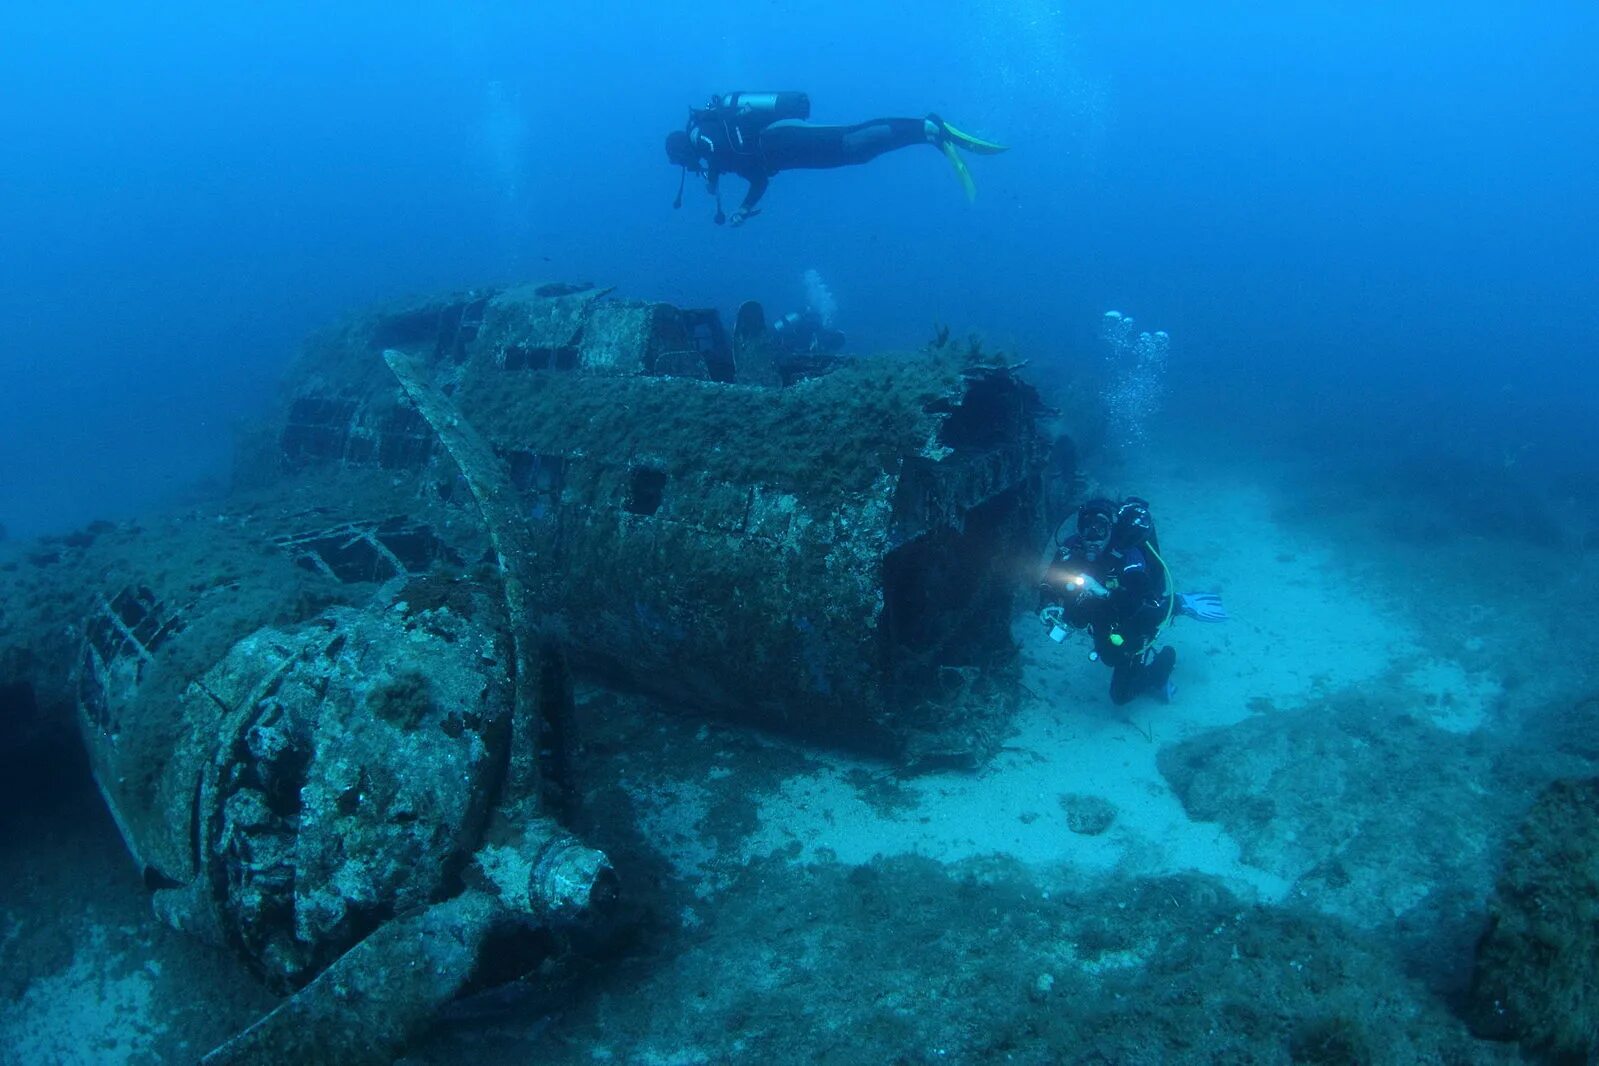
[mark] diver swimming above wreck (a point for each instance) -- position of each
(758, 135)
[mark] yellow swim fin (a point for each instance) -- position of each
(970, 143)
(961, 172)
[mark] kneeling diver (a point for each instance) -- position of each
(1110, 580)
(756, 135)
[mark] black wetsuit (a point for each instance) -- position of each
(1139, 604)
(743, 146)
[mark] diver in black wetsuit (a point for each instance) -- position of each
(1110, 580)
(756, 135)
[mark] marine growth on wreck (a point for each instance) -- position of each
(328, 712)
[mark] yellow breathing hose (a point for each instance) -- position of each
(1171, 588)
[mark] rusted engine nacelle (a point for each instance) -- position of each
(305, 722)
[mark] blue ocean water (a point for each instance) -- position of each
(1360, 244)
(1348, 207)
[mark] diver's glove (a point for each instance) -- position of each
(742, 215)
(1201, 606)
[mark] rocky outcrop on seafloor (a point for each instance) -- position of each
(1355, 801)
(1537, 974)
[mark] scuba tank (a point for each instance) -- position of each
(741, 116)
(1134, 527)
(766, 107)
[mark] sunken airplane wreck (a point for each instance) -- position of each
(328, 712)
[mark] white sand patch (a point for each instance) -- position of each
(96, 1012)
(1013, 807)
(1301, 622)
(1299, 625)
(1451, 697)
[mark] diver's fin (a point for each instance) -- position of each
(961, 172)
(970, 143)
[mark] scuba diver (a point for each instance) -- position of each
(1109, 579)
(756, 135)
(800, 344)
(807, 332)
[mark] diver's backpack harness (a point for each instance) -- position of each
(741, 117)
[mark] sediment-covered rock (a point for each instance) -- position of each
(1537, 974)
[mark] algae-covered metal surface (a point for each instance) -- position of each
(298, 705)
(851, 541)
